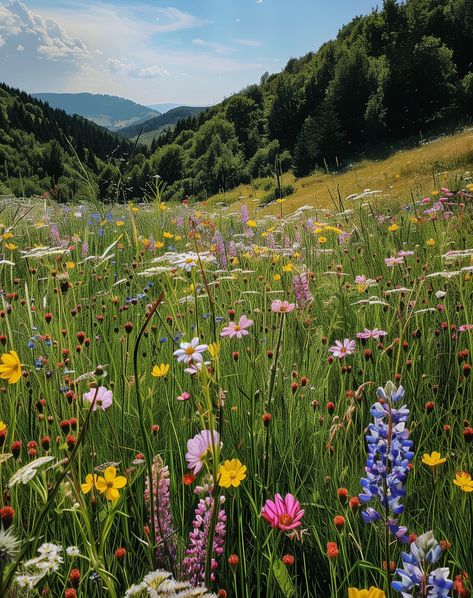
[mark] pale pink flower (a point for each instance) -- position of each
(239, 330)
(392, 261)
(199, 447)
(282, 307)
(341, 350)
(465, 327)
(190, 352)
(283, 513)
(185, 396)
(375, 333)
(104, 398)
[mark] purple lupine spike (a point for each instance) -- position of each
(165, 542)
(219, 243)
(388, 462)
(270, 240)
(244, 213)
(300, 283)
(193, 564)
(85, 248)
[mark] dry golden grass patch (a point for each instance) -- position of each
(405, 174)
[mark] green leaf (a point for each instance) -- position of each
(283, 579)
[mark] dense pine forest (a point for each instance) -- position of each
(394, 75)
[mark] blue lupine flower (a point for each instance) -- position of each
(425, 551)
(163, 339)
(31, 344)
(389, 455)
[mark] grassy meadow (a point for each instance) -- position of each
(273, 411)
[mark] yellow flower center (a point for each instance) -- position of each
(190, 351)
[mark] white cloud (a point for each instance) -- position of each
(20, 48)
(214, 46)
(176, 20)
(149, 72)
(251, 43)
(115, 65)
(2, 41)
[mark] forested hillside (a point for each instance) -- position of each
(395, 74)
(42, 148)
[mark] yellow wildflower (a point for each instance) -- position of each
(322, 240)
(214, 350)
(430, 242)
(433, 459)
(10, 368)
(371, 593)
(110, 483)
(393, 228)
(232, 473)
(10, 246)
(463, 481)
(3, 426)
(277, 277)
(167, 235)
(90, 480)
(120, 223)
(70, 265)
(251, 223)
(160, 371)
(288, 268)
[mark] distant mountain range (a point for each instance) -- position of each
(112, 112)
(153, 127)
(163, 107)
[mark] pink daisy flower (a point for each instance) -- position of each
(375, 333)
(282, 307)
(283, 513)
(104, 398)
(199, 447)
(341, 350)
(239, 330)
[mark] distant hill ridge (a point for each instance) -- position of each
(158, 123)
(109, 111)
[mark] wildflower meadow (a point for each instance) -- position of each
(203, 402)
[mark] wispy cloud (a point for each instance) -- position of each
(219, 48)
(171, 19)
(251, 43)
(149, 72)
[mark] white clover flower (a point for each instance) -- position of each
(72, 551)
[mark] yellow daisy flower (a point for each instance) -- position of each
(232, 473)
(110, 483)
(10, 368)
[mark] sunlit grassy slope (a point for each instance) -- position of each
(404, 174)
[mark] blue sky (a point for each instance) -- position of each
(153, 51)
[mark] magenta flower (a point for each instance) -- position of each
(283, 513)
(199, 447)
(465, 327)
(341, 350)
(375, 333)
(104, 398)
(185, 396)
(282, 307)
(190, 352)
(239, 330)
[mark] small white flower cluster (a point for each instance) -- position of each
(161, 583)
(48, 561)
(26, 473)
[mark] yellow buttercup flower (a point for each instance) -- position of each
(110, 483)
(371, 593)
(70, 265)
(7, 235)
(10, 246)
(251, 223)
(119, 222)
(214, 350)
(393, 228)
(160, 371)
(463, 481)
(163, 206)
(277, 277)
(167, 235)
(177, 238)
(232, 473)
(159, 244)
(10, 368)
(430, 242)
(3, 426)
(322, 240)
(90, 480)
(288, 268)
(433, 459)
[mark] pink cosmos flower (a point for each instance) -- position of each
(282, 307)
(375, 333)
(403, 253)
(190, 352)
(341, 350)
(199, 447)
(283, 513)
(465, 327)
(392, 261)
(185, 396)
(239, 330)
(195, 368)
(104, 398)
